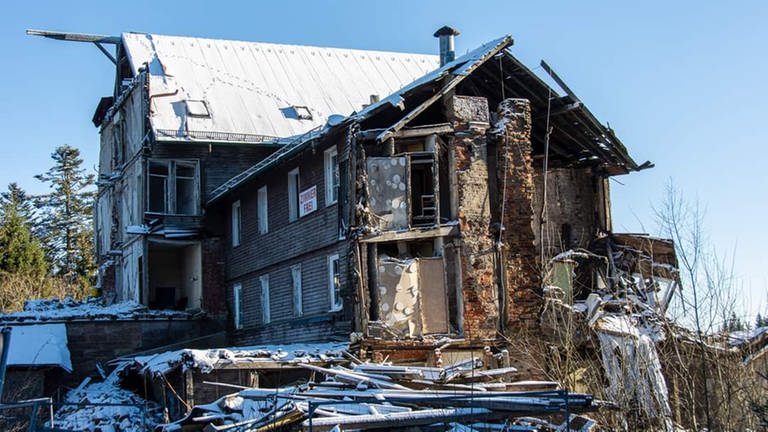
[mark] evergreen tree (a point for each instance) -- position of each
(66, 214)
(20, 251)
(18, 199)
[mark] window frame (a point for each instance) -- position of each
(332, 180)
(237, 302)
(294, 189)
(236, 219)
(336, 302)
(170, 186)
(266, 313)
(262, 208)
(297, 290)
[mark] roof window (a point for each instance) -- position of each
(197, 108)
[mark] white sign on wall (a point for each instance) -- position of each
(308, 201)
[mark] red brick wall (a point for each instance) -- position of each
(480, 298)
(515, 183)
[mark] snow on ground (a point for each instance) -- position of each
(207, 360)
(93, 309)
(130, 413)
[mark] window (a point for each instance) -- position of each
(173, 187)
(293, 195)
(303, 113)
(236, 223)
(334, 282)
(237, 305)
(298, 307)
(263, 210)
(331, 176)
(265, 313)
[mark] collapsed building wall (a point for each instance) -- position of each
(571, 218)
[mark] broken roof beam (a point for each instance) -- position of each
(75, 37)
(458, 76)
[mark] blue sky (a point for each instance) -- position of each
(682, 83)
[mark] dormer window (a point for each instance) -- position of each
(303, 113)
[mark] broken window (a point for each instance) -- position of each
(158, 186)
(236, 223)
(265, 312)
(293, 194)
(263, 212)
(423, 198)
(298, 307)
(173, 187)
(334, 282)
(237, 305)
(331, 176)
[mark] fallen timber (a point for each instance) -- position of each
(366, 396)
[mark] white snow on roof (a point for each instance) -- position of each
(208, 360)
(260, 89)
(91, 309)
(39, 345)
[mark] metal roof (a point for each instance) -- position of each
(222, 90)
(458, 68)
(39, 345)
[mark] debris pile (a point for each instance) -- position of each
(104, 406)
(461, 397)
(620, 297)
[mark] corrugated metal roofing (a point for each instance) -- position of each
(251, 90)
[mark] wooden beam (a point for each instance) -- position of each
(426, 130)
(443, 231)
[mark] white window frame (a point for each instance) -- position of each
(237, 223)
(237, 302)
(296, 289)
(335, 300)
(331, 176)
(294, 185)
(266, 315)
(262, 205)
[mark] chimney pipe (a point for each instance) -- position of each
(447, 51)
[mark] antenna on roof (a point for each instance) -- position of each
(97, 40)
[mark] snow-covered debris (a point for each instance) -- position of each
(92, 309)
(207, 360)
(739, 338)
(104, 406)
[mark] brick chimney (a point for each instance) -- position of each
(447, 51)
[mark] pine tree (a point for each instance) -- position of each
(20, 251)
(66, 214)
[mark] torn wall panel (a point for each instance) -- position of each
(399, 305)
(388, 187)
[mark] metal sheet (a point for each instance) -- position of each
(250, 88)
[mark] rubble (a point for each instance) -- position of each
(459, 397)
